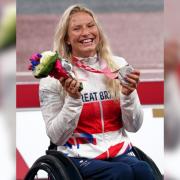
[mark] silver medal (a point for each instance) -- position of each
(123, 73)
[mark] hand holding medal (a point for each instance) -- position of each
(129, 78)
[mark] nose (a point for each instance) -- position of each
(85, 31)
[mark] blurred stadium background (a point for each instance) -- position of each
(135, 31)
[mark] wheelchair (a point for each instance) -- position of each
(60, 167)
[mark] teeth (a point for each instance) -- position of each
(87, 40)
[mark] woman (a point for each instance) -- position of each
(89, 126)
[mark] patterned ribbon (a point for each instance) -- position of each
(106, 71)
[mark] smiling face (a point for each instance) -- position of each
(83, 35)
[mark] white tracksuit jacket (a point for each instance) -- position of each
(94, 125)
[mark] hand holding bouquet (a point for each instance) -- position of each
(50, 63)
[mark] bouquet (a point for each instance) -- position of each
(50, 63)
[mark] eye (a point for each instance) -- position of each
(76, 28)
(91, 25)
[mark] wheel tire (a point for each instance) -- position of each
(51, 165)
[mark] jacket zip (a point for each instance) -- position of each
(102, 123)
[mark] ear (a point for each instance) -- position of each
(67, 40)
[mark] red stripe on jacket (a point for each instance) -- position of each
(113, 151)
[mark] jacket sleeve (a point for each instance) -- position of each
(60, 113)
(132, 113)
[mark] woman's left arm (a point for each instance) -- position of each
(132, 113)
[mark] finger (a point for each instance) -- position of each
(133, 77)
(129, 87)
(135, 71)
(76, 87)
(68, 82)
(62, 81)
(131, 81)
(70, 90)
(73, 83)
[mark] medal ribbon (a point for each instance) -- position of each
(106, 71)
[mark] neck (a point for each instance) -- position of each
(84, 55)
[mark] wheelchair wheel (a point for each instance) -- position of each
(71, 169)
(143, 157)
(50, 165)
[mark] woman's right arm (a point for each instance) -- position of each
(60, 113)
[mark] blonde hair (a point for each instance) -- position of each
(103, 49)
